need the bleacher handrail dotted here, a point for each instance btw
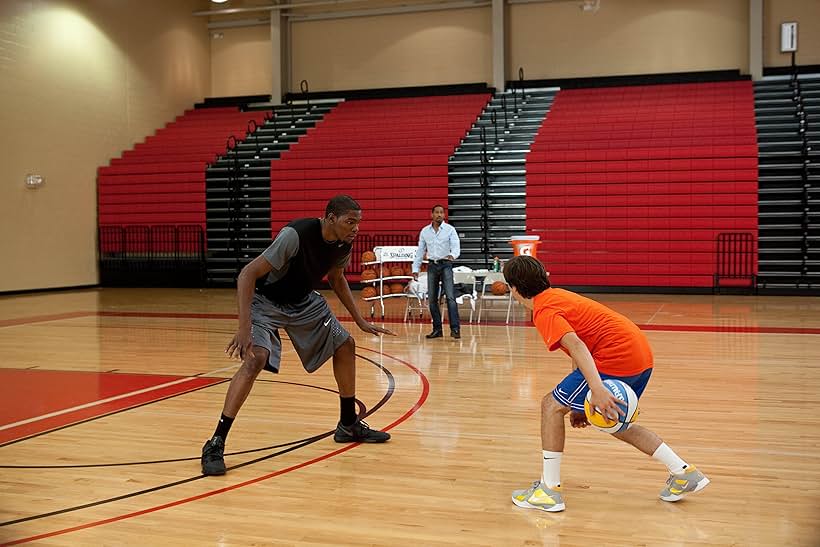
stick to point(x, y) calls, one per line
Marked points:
point(154, 253)
point(735, 259)
point(252, 127)
point(143, 240)
point(805, 159)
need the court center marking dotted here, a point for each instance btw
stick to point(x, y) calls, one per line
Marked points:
point(111, 399)
point(425, 392)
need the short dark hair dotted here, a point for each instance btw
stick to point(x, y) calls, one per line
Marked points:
point(437, 205)
point(341, 204)
point(527, 275)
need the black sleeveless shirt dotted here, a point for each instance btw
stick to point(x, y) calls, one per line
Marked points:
point(305, 270)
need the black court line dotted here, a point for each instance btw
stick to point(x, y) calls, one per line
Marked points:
point(310, 440)
point(362, 410)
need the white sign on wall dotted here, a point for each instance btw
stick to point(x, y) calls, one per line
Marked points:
point(395, 254)
point(788, 37)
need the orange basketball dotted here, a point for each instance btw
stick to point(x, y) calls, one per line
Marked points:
point(396, 288)
point(368, 256)
point(396, 270)
point(386, 288)
point(369, 292)
point(368, 274)
point(499, 288)
point(408, 269)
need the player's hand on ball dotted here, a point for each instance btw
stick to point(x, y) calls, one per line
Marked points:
point(606, 404)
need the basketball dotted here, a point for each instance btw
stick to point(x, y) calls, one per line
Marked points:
point(396, 271)
point(499, 288)
point(368, 274)
point(629, 405)
point(396, 288)
point(369, 292)
point(368, 256)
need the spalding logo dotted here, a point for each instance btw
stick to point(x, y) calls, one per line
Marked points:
point(617, 391)
point(396, 254)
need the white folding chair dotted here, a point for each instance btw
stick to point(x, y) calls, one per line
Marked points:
point(417, 299)
point(487, 296)
point(468, 279)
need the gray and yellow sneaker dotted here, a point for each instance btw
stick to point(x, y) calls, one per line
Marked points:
point(681, 484)
point(538, 496)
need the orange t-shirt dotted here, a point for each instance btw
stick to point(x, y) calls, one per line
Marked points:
point(617, 344)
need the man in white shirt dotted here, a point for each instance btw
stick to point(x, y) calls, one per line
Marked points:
point(440, 241)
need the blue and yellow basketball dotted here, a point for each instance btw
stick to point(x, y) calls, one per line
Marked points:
point(629, 404)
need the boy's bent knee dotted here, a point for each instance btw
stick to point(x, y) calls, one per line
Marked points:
point(550, 405)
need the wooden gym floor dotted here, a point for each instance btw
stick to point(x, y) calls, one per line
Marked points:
point(108, 395)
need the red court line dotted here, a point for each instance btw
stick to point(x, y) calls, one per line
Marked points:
point(34, 394)
point(26, 393)
point(422, 398)
point(42, 318)
point(655, 327)
point(177, 315)
point(739, 328)
point(169, 315)
point(671, 328)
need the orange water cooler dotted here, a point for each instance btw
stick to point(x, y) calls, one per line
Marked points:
point(525, 245)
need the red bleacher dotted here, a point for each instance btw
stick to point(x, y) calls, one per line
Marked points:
point(162, 180)
point(389, 154)
point(630, 186)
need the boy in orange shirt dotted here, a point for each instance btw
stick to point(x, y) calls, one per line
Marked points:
point(602, 344)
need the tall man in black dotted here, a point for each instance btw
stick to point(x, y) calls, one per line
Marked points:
point(276, 291)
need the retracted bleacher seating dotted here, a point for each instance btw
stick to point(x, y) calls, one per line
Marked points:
point(389, 154)
point(158, 188)
point(630, 186)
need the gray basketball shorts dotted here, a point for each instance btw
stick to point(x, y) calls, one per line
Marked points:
point(315, 332)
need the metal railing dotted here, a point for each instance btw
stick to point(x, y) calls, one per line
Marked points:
point(484, 181)
point(158, 254)
point(805, 160)
point(734, 261)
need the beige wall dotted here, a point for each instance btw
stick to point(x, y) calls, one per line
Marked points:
point(80, 82)
point(241, 61)
point(442, 47)
point(558, 40)
point(548, 39)
point(807, 15)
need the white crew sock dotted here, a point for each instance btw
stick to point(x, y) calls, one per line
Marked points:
point(551, 470)
point(672, 461)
